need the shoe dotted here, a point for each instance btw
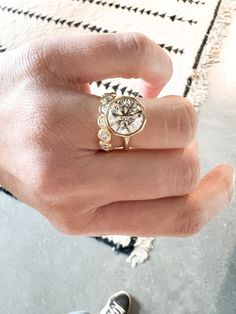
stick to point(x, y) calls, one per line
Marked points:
point(118, 303)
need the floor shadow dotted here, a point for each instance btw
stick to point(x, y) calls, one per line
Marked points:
point(135, 307)
point(227, 295)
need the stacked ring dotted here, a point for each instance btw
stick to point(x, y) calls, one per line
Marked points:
point(121, 116)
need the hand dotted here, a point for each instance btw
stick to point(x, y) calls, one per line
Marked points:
point(50, 158)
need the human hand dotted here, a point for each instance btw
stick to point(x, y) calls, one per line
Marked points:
point(50, 158)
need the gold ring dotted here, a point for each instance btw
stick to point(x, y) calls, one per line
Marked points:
point(120, 116)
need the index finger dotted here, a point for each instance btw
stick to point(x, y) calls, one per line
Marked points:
point(89, 58)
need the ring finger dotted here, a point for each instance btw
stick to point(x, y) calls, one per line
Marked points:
point(171, 123)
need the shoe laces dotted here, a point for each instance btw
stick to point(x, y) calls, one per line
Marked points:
point(116, 309)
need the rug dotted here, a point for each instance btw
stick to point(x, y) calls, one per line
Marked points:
point(191, 31)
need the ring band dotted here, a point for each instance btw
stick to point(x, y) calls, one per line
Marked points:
point(121, 116)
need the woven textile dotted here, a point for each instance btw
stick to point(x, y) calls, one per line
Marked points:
point(181, 27)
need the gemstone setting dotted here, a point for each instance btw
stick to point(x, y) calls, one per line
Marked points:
point(104, 135)
point(102, 121)
point(103, 108)
point(105, 146)
point(107, 98)
point(125, 116)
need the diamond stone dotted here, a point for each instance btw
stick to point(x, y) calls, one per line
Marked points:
point(125, 116)
point(108, 97)
point(103, 108)
point(105, 146)
point(104, 135)
point(102, 121)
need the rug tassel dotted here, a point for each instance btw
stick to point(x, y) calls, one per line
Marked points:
point(141, 251)
point(199, 88)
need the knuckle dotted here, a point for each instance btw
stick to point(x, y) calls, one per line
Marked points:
point(49, 181)
point(45, 185)
point(42, 139)
point(144, 51)
point(139, 42)
point(54, 182)
point(189, 172)
point(74, 222)
point(32, 60)
point(167, 73)
point(136, 44)
point(191, 222)
point(166, 67)
point(38, 56)
point(51, 184)
point(186, 118)
point(66, 226)
point(188, 121)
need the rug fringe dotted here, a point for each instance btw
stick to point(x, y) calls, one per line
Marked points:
point(141, 251)
point(198, 92)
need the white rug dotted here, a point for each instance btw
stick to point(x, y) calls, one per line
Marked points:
point(191, 31)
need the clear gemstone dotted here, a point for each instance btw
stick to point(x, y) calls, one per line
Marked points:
point(103, 108)
point(101, 121)
point(104, 101)
point(125, 116)
point(108, 97)
point(105, 146)
point(104, 135)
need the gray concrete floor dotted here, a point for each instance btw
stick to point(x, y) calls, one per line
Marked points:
point(43, 271)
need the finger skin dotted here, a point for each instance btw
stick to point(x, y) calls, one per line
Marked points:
point(171, 123)
point(93, 57)
point(175, 216)
point(142, 175)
